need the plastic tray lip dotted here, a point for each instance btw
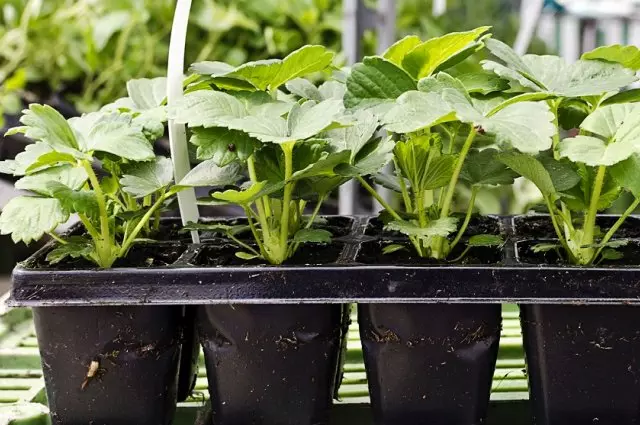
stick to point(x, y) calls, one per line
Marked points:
point(343, 281)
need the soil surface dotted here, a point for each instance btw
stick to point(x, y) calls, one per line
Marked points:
point(525, 254)
point(540, 227)
point(478, 225)
point(371, 253)
point(172, 230)
point(144, 255)
point(223, 254)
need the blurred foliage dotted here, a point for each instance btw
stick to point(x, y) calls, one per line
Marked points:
point(87, 49)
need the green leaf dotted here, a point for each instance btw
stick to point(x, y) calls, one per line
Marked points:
point(627, 56)
point(619, 123)
point(552, 74)
point(75, 201)
point(375, 84)
point(615, 121)
point(244, 197)
point(439, 172)
point(208, 173)
point(76, 247)
point(147, 93)
point(8, 167)
point(562, 172)
point(146, 178)
point(527, 126)
point(222, 145)
point(483, 83)
point(26, 159)
point(415, 110)
point(312, 235)
point(216, 228)
point(369, 160)
point(441, 227)
point(439, 82)
point(390, 181)
point(118, 135)
point(482, 167)
point(27, 218)
point(304, 89)
point(43, 123)
point(302, 122)
point(323, 166)
point(396, 53)
point(627, 96)
point(572, 113)
point(246, 256)
point(485, 240)
point(390, 249)
point(442, 52)
point(532, 169)
point(627, 174)
point(208, 108)
point(271, 74)
point(355, 136)
point(611, 254)
point(51, 159)
point(617, 243)
point(68, 175)
point(332, 90)
point(545, 247)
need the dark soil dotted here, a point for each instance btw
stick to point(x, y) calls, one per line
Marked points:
point(540, 227)
point(478, 225)
point(144, 255)
point(371, 253)
point(525, 255)
point(223, 255)
point(171, 230)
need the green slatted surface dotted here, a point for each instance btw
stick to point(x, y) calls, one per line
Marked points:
point(21, 377)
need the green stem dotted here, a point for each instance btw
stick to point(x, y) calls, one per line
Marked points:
point(145, 219)
point(57, 238)
point(254, 231)
point(446, 206)
point(260, 203)
point(556, 227)
point(312, 218)
point(104, 243)
point(554, 105)
point(461, 256)
point(467, 218)
point(590, 220)
point(287, 148)
point(90, 228)
point(403, 187)
point(379, 198)
point(607, 237)
point(244, 245)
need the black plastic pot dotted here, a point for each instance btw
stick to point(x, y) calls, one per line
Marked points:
point(271, 364)
point(110, 365)
point(189, 355)
point(429, 363)
point(583, 363)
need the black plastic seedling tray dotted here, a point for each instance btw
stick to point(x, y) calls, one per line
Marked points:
point(351, 269)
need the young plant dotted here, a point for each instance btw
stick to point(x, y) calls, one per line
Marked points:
point(100, 166)
point(244, 125)
point(426, 110)
point(584, 174)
